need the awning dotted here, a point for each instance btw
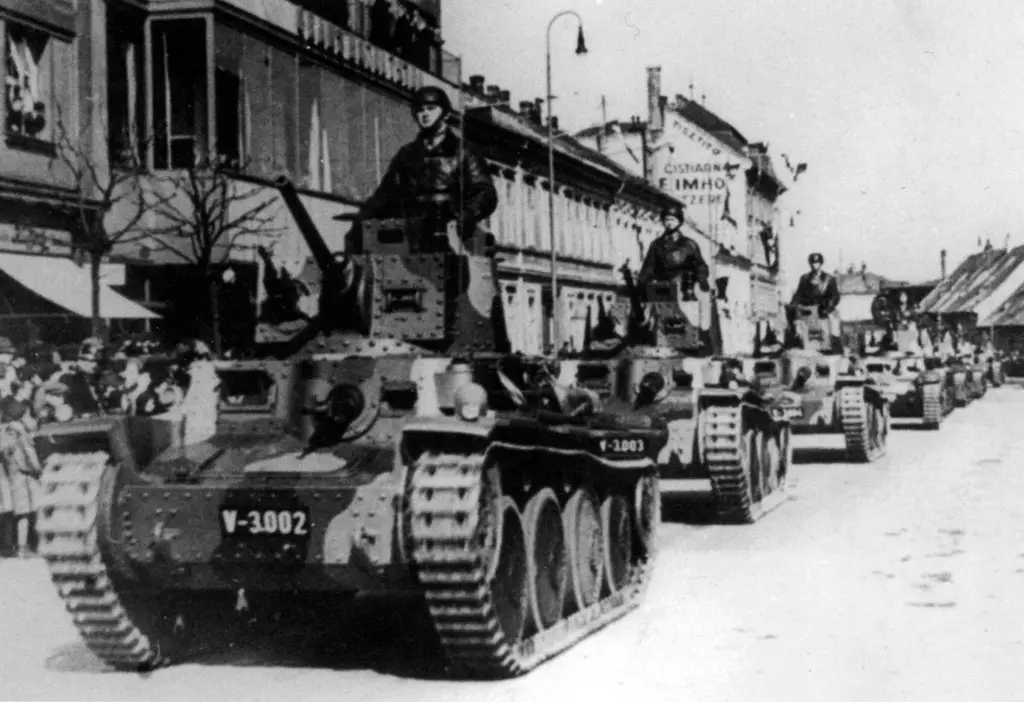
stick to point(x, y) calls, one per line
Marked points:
point(63, 283)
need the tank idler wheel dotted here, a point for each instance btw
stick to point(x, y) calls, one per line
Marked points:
point(582, 521)
point(508, 579)
point(617, 525)
point(646, 513)
point(547, 558)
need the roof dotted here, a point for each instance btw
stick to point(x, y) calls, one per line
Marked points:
point(630, 127)
point(864, 282)
point(568, 146)
point(711, 123)
point(972, 281)
point(1008, 314)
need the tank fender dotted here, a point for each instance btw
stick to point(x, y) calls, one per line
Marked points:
point(930, 377)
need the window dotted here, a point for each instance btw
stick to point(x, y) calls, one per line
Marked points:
point(125, 94)
point(179, 63)
point(29, 84)
point(230, 123)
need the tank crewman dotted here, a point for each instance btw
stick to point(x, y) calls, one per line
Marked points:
point(435, 176)
point(674, 255)
point(819, 289)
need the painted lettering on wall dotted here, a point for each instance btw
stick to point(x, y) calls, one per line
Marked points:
point(369, 57)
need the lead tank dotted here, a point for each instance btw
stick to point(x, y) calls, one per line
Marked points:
point(389, 446)
point(660, 365)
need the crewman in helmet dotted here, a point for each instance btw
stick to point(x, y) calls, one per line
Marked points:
point(673, 255)
point(819, 289)
point(435, 176)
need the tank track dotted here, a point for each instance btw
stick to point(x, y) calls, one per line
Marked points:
point(730, 470)
point(854, 415)
point(932, 411)
point(69, 542)
point(452, 565)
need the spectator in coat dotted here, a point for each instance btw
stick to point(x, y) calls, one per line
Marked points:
point(22, 468)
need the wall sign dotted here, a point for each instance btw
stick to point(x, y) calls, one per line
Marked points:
point(359, 52)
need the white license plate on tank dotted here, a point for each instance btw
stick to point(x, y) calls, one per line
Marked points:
point(260, 522)
point(623, 445)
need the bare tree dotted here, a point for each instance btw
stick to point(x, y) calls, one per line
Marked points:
point(209, 211)
point(112, 200)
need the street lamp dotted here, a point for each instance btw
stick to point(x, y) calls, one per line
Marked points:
point(581, 48)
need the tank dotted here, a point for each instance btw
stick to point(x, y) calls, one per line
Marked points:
point(389, 446)
point(816, 388)
point(920, 388)
point(657, 363)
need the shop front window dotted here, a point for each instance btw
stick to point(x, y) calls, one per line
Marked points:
point(29, 84)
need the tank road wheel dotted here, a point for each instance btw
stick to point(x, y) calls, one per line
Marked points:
point(646, 515)
point(865, 425)
point(586, 549)
point(933, 405)
point(771, 461)
point(126, 625)
point(617, 526)
point(546, 558)
point(509, 581)
point(732, 462)
point(785, 453)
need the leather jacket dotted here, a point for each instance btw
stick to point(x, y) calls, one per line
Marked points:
point(821, 292)
point(671, 256)
point(422, 182)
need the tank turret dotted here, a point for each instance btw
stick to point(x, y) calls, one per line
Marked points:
point(413, 280)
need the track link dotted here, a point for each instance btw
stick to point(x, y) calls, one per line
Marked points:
point(730, 469)
point(69, 541)
point(932, 411)
point(854, 416)
point(452, 551)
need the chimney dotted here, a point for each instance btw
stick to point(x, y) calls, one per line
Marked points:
point(506, 97)
point(538, 106)
point(476, 84)
point(554, 123)
point(942, 264)
point(493, 92)
point(680, 99)
point(525, 108)
point(654, 97)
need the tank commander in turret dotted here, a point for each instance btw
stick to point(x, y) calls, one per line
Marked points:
point(674, 255)
point(435, 177)
point(819, 289)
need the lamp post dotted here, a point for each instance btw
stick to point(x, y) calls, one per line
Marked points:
point(581, 48)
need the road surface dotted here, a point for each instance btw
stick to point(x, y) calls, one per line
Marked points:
point(901, 580)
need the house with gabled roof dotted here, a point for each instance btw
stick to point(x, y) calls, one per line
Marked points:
point(979, 286)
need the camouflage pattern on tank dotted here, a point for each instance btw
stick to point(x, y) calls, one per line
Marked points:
point(389, 444)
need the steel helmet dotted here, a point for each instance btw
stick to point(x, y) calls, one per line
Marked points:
point(677, 211)
point(431, 95)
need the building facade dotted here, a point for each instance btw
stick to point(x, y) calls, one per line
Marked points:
point(53, 68)
point(605, 217)
point(730, 190)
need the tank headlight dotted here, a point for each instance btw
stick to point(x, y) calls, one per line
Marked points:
point(471, 402)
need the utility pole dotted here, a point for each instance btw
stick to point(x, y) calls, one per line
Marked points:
point(604, 124)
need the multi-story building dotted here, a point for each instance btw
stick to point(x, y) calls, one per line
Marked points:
point(730, 190)
point(605, 217)
point(51, 73)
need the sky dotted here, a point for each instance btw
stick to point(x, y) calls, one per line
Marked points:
point(909, 113)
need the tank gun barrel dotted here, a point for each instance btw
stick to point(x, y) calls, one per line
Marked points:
point(317, 246)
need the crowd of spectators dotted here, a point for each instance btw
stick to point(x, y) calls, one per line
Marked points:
point(42, 384)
